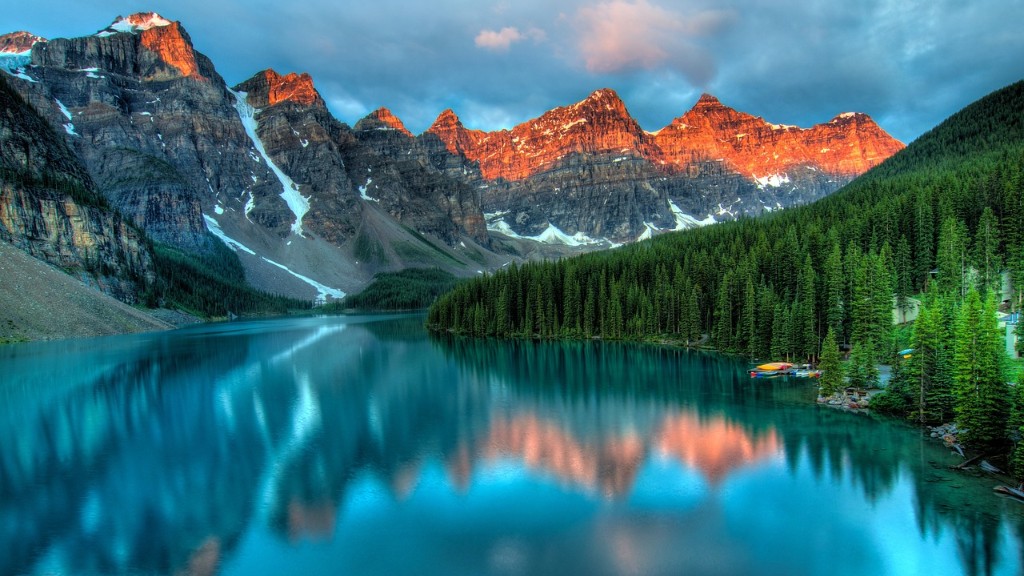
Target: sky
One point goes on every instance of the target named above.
(907, 63)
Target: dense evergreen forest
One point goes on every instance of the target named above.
(409, 289)
(939, 222)
(211, 285)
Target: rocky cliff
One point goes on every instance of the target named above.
(590, 172)
(50, 207)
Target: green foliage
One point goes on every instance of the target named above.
(979, 384)
(409, 289)
(1015, 428)
(929, 370)
(898, 397)
(211, 285)
(831, 369)
(863, 371)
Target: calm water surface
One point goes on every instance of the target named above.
(360, 445)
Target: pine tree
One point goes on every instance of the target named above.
(986, 253)
(805, 324)
(904, 278)
(863, 372)
(951, 259)
(928, 367)
(834, 281)
(979, 386)
(831, 369)
(1015, 429)
(924, 236)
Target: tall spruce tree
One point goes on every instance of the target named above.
(831, 369)
(979, 384)
(985, 254)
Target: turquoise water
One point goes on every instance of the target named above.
(361, 445)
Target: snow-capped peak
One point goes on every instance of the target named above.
(135, 23)
(19, 42)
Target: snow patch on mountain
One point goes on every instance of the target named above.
(323, 291)
(215, 229)
(551, 235)
(297, 203)
(774, 180)
(134, 24)
(364, 195)
(684, 221)
(14, 63)
(68, 126)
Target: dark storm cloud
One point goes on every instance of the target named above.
(908, 63)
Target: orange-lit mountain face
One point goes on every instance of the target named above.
(388, 121)
(848, 145)
(18, 42)
(269, 88)
(166, 39)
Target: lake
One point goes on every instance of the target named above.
(362, 445)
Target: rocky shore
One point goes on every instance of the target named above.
(852, 399)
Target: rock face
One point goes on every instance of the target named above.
(50, 207)
(847, 146)
(18, 42)
(590, 171)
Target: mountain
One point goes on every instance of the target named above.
(315, 208)
(263, 166)
(51, 208)
(590, 171)
(773, 286)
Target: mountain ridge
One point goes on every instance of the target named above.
(309, 203)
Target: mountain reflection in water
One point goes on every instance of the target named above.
(361, 445)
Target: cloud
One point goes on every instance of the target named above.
(501, 40)
(627, 35)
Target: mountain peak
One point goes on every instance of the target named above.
(18, 42)
(448, 117)
(602, 99)
(384, 116)
(267, 88)
(707, 101)
(291, 87)
(138, 22)
(849, 117)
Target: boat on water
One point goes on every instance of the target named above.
(784, 368)
(771, 369)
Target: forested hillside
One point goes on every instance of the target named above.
(946, 213)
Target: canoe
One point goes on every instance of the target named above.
(775, 366)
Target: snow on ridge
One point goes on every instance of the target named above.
(298, 203)
(684, 221)
(127, 25)
(68, 126)
(648, 233)
(774, 180)
(551, 235)
(364, 195)
(323, 291)
(14, 63)
(215, 229)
